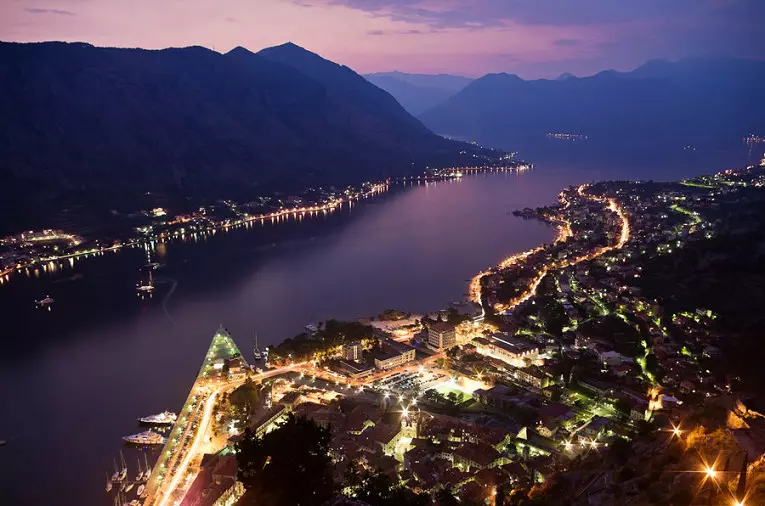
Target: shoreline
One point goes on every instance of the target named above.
(52, 263)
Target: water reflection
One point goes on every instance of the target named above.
(77, 378)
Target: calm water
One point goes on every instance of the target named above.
(73, 380)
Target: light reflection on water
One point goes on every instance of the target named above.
(74, 379)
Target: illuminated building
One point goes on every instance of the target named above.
(352, 352)
(393, 354)
(509, 349)
(442, 335)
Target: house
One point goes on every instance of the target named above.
(555, 414)
(596, 428)
(533, 375)
(476, 456)
(216, 483)
(597, 388)
(509, 349)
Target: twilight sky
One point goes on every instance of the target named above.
(532, 38)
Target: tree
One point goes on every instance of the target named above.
(446, 498)
(377, 489)
(245, 398)
(623, 406)
(653, 366)
(287, 467)
(620, 451)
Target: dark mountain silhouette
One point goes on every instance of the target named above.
(418, 92)
(701, 101)
(100, 127)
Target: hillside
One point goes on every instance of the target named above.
(418, 92)
(84, 126)
(693, 101)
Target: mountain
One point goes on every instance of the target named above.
(700, 101)
(100, 127)
(418, 92)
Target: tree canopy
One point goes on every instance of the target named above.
(289, 466)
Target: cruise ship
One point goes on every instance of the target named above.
(164, 418)
(145, 438)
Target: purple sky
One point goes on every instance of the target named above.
(533, 38)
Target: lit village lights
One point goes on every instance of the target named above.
(423, 374)
(48, 251)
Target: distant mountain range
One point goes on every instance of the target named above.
(99, 127)
(419, 92)
(699, 101)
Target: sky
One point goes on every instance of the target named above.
(531, 38)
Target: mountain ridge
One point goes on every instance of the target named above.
(695, 100)
(101, 127)
(418, 92)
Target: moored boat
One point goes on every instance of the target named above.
(164, 418)
(145, 438)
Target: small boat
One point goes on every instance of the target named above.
(108, 483)
(139, 476)
(116, 475)
(146, 287)
(147, 468)
(47, 302)
(164, 418)
(140, 490)
(129, 486)
(3, 442)
(123, 471)
(256, 353)
(145, 438)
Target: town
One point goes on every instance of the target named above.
(49, 251)
(560, 355)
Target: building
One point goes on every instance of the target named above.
(442, 335)
(216, 483)
(476, 456)
(509, 349)
(352, 351)
(393, 354)
(533, 375)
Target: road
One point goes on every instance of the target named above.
(174, 485)
(564, 232)
(179, 465)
